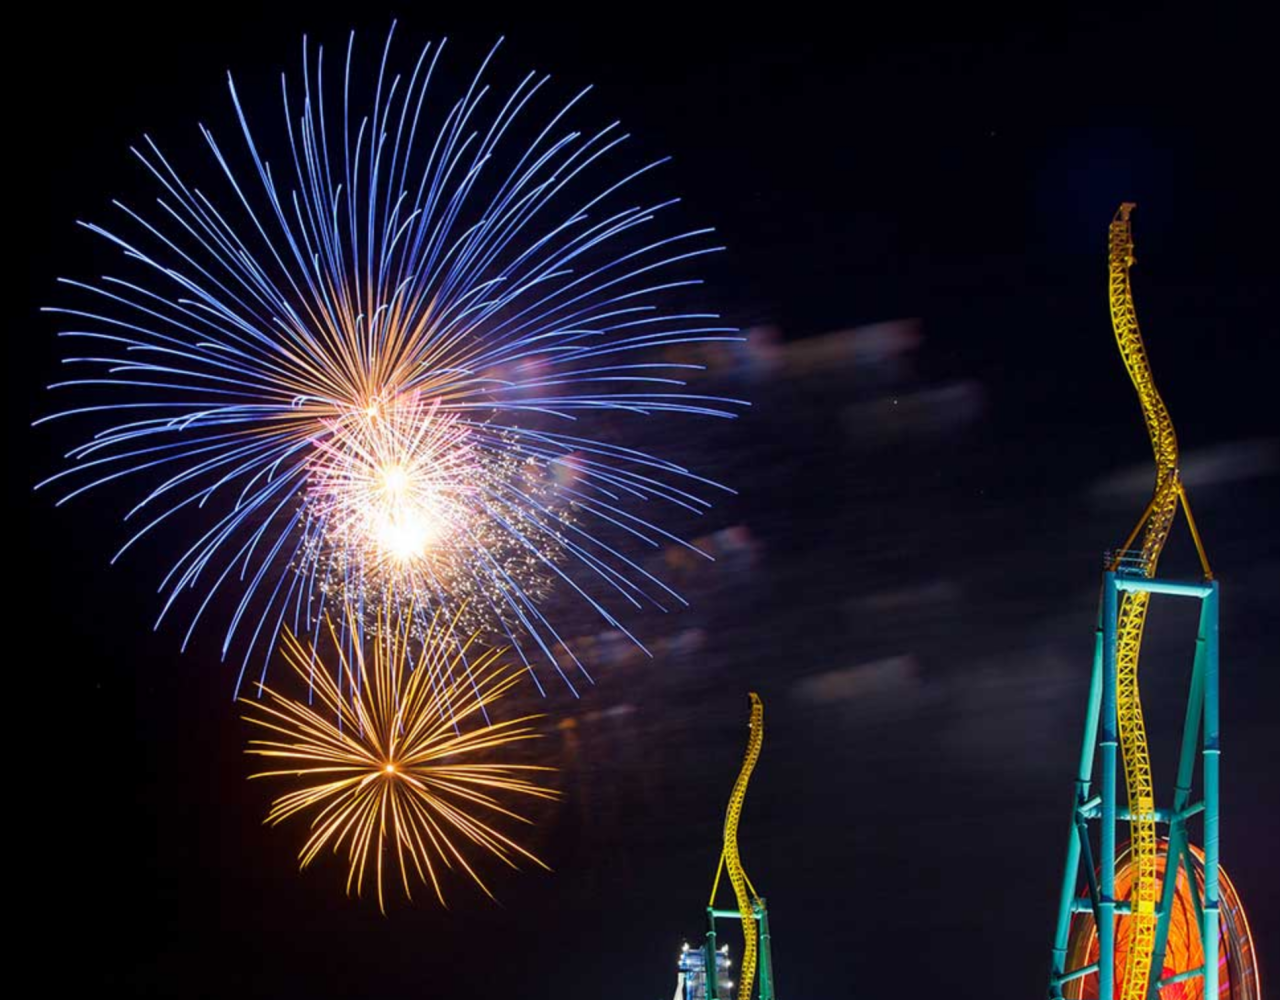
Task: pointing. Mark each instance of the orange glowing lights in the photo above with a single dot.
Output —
(1238, 971)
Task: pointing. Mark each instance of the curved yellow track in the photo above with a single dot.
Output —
(1154, 526)
(729, 859)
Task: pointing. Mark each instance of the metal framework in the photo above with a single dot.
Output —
(751, 910)
(759, 919)
(1115, 721)
(1199, 739)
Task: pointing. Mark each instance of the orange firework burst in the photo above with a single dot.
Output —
(395, 760)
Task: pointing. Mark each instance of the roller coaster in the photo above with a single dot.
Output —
(1156, 918)
(1159, 919)
(704, 977)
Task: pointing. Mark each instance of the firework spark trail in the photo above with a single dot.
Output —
(398, 770)
(491, 288)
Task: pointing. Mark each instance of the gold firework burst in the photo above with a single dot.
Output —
(396, 759)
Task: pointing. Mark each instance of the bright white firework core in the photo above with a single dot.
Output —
(403, 523)
(407, 534)
(395, 481)
(389, 480)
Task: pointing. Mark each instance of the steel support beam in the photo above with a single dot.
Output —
(766, 954)
(1211, 753)
(709, 950)
(1107, 889)
(1181, 797)
(1172, 588)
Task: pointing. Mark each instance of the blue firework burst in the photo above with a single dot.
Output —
(379, 366)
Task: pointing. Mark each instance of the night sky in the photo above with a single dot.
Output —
(908, 576)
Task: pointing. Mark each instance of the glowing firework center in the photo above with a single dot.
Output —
(401, 524)
(411, 503)
(388, 482)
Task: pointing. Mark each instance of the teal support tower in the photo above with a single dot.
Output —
(1197, 903)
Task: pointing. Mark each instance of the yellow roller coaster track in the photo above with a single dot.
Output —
(729, 860)
(1154, 526)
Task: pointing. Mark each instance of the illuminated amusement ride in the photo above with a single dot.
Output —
(704, 972)
(1158, 918)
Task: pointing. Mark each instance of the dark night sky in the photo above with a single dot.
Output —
(917, 614)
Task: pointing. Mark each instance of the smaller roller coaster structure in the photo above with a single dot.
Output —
(1159, 919)
(757, 957)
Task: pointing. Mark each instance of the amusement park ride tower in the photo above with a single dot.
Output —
(1158, 918)
(697, 981)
